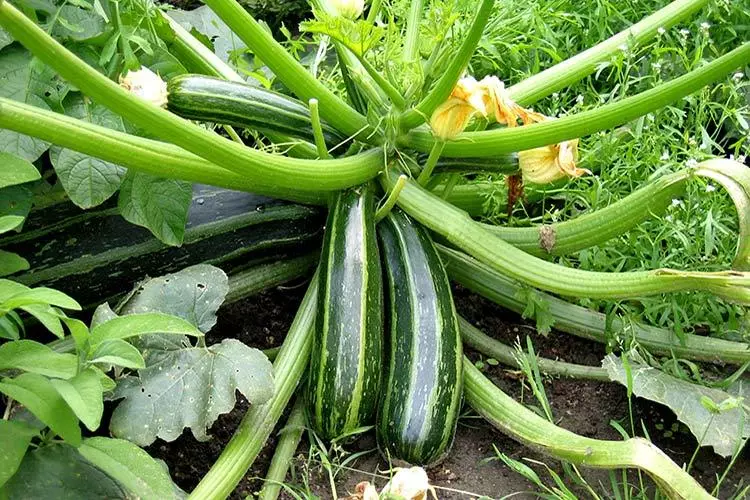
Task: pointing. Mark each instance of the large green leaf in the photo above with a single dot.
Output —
(11, 263)
(88, 181)
(16, 170)
(194, 294)
(77, 24)
(134, 325)
(160, 205)
(189, 388)
(722, 431)
(215, 30)
(59, 472)
(15, 438)
(38, 395)
(31, 356)
(132, 467)
(23, 79)
(83, 393)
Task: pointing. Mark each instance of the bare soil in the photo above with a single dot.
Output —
(470, 471)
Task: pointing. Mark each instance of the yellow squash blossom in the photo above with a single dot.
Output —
(498, 103)
(550, 163)
(451, 118)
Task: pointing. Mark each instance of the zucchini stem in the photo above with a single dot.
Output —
(391, 200)
(320, 142)
(510, 139)
(429, 166)
(515, 420)
(289, 439)
(411, 40)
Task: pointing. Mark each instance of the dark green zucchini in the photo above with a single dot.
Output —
(506, 164)
(95, 255)
(422, 392)
(211, 99)
(346, 359)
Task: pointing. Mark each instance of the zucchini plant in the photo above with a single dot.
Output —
(410, 121)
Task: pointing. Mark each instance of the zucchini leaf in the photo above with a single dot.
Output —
(215, 33)
(704, 410)
(5, 39)
(159, 205)
(357, 36)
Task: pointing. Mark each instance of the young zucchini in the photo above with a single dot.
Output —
(422, 392)
(211, 99)
(346, 359)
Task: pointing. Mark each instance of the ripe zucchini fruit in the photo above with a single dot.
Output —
(422, 392)
(95, 255)
(210, 99)
(346, 359)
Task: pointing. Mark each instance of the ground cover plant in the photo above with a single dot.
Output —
(402, 127)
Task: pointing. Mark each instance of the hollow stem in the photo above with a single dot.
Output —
(429, 166)
(527, 427)
(320, 142)
(559, 76)
(460, 230)
(246, 283)
(480, 341)
(449, 185)
(411, 40)
(286, 446)
(152, 157)
(506, 140)
(290, 71)
(392, 92)
(313, 175)
(444, 86)
(585, 323)
(259, 421)
(390, 202)
(372, 14)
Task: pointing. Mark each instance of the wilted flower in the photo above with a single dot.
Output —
(451, 118)
(408, 484)
(147, 85)
(550, 163)
(351, 9)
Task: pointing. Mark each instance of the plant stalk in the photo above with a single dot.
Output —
(289, 439)
(411, 40)
(259, 421)
(523, 425)
(510, 139)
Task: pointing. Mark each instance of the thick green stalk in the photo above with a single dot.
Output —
(599, 226)
(515, 420)
(460, 60)
(313, 175)
(411, 40)
(289, 439)
(459, 229)
(200, 59)
(585, 323)
(392, 92)
(152, 157)
(506, 140)
(530, 90)
(259, 421)
(290, 71)
(480, 341)
(261, 277)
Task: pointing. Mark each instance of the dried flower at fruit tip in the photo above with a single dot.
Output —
(147, 85)
(408, 484)
(550, 163)
(350, 9)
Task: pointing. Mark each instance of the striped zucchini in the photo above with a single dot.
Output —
(422, 397)
(345, 365)
(96, 254)
(211, 99)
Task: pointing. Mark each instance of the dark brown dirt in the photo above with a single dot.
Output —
(470, 471)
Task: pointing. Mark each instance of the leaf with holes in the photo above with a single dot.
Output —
(159, 205)
(88, 181)
(722, 431)
(188, 387)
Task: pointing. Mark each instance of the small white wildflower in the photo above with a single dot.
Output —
(660, 30)
(665, 155)
(738, 76)
(668, 218)
(691, 163)
(705, 27)
(656, 66)
(710, 188)
(677, 203)
(147, 85)
(684, 32)
(579, 99)
(555, 95)
(692, 142)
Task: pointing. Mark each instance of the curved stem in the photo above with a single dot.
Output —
(152, 157)
(585, 323)
(480, 341)
(259, 421)
(515, 420)
(289, 439)
(444, 86)
(429, 165)
(303, 175)
(320, 142)
(459, 229)
(390, 202)
(530, 90)
(506, 140)
(292, 73)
